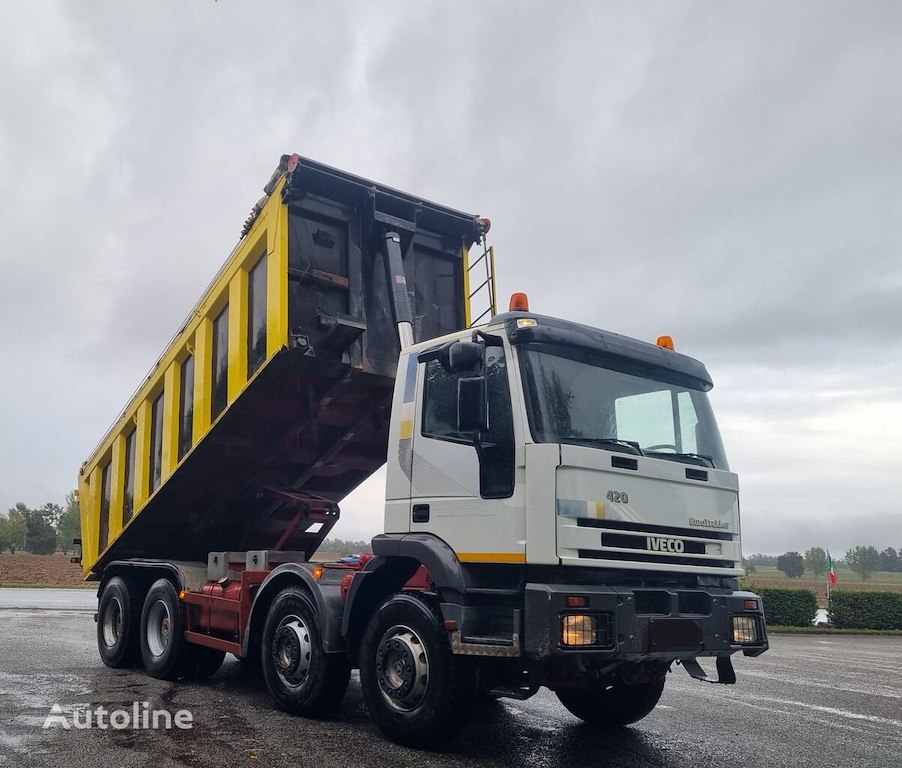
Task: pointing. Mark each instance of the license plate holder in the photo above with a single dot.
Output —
(675, 635)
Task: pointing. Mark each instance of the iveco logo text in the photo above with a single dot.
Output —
(659, 544)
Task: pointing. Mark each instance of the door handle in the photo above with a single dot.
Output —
(421, 513)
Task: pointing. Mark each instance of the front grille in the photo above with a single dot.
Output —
(652, 602)
(698, 603)
(655, 602)
(623, 525)
(647, 557)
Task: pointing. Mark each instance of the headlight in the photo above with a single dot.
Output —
(745, 630)
(578, 629)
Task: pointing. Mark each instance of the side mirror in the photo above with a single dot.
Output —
(471, 404)
(464, 356)
(456, 356)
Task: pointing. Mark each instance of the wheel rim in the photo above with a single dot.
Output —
(159, 628)
(292, 650)
(402, 668)
(112, 622)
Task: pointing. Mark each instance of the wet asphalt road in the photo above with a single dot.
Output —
(810, 701)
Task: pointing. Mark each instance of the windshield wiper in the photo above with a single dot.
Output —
(700, 456)
(611, 442)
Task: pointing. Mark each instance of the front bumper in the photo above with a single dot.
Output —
(637, 624)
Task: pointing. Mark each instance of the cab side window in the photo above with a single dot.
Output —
(440, 404)
(496, 463)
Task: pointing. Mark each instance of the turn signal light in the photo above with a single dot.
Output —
(665, 342)
(519, 302)
(318, 572)
(751, 605)
(576, 601)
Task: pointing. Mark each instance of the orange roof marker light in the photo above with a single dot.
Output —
(519, 302)
(665, 342)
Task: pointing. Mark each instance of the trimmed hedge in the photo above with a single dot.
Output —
(788, 607)
(866, 610)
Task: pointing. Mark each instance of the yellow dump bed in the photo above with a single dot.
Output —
(272, 402)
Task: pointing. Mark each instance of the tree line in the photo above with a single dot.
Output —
(50, 528)
(863, 560)
(41, 531)
(344, 547)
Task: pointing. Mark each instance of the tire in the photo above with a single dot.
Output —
(250, 664)
(163, 646)
(201, 662)
(612, 706)
(418, 693)
(301, 677)
(118, 624)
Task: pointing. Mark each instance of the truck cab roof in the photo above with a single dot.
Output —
(557, 332)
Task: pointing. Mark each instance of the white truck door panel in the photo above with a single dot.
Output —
(452, 496)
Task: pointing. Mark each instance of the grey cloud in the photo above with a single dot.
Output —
(726, 174)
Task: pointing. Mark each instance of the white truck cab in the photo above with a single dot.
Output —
(567, 491)
(596, 451)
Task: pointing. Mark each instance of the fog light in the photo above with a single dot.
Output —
(745, 630)
(578, 629)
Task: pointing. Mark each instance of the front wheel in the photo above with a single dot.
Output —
(416, 690)
(612, 705)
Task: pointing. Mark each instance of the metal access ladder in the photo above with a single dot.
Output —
(482, 303)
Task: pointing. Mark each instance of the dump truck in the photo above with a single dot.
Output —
(558, 510)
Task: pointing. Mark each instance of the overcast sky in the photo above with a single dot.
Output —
(726, 173)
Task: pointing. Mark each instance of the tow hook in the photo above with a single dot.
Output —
(726, 675)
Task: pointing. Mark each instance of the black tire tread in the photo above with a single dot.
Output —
(171, 665)
(332, 671)
(615, 706)
(455, 692)
(201, 662)
(130, 654)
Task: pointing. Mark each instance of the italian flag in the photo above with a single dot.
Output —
(832, 569)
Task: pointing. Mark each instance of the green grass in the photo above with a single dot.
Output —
(843, 576)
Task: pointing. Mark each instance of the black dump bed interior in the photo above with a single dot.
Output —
(313, 423)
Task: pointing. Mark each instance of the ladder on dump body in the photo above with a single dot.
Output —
(482, 273)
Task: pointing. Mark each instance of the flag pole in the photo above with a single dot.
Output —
(829, 577)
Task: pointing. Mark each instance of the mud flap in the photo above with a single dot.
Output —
(725, 672)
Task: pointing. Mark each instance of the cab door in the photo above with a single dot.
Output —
(464, 496)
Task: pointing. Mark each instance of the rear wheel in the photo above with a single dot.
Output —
(118, 624)
(416, 690)
(163, 645)
(201, 662)
(300, 675)
(612, 706)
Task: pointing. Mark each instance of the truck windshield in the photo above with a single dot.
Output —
(577, 399)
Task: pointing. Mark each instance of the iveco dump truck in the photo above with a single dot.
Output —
(558, 510)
